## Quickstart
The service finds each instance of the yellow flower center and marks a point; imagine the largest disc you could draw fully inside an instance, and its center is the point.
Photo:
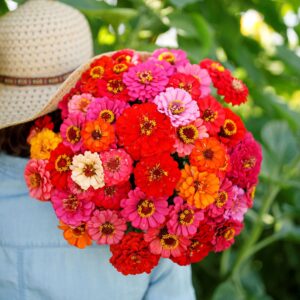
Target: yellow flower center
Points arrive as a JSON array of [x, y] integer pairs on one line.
[[83, 104], [35, 180], [209, 115], [119, 68], [217, 67], [107, 115], [221, 199], [156, 173], [145, 208], [176, 107], [73, 134], [145, 77], [229, 127], [107, 228], [147, 125], [169, 241], [188, 134], [62, 163], [115, 86], [249, 163], [71, 203], [89, 170], [97, 72], [186, 217], [229, 234], [167, 56]]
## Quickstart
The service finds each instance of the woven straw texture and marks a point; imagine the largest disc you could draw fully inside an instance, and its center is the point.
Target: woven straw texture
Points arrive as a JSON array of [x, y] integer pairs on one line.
[[42, 38]]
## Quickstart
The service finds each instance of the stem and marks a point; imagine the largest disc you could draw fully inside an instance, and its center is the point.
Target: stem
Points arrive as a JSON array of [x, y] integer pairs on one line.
[[257, 229], [224, 265]]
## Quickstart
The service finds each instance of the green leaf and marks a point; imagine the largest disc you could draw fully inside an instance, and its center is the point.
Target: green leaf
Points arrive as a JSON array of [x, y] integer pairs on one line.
[[182, 3], [227, 291], [290, 58], [3, 7]]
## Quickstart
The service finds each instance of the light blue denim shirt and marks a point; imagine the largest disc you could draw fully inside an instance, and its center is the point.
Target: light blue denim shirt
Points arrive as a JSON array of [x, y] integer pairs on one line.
[[36, 263]]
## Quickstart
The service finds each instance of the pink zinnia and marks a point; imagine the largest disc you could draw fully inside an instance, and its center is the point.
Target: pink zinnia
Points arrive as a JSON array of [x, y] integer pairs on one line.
[[222, 202], [117, 165], [187, 135], [70, 208], [238, 205], [70, 131], [162, 242], [200, 74], [80, 103], [76, 189], [145, 81], [174, 57], [178, 105], [184, 219], [144, 212], [106, 227], [105, 108], [167, 67], [38, 179], [245, 162], [109, 197]]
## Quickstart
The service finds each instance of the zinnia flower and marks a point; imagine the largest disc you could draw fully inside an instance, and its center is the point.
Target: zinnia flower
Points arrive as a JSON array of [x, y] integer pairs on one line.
[[212, 113], [43, 143], [200, 74], [87, 170], [208, 154], [117, 166], [145, 81], [141, 128], [97, 135], [70, 208], [38, 179], [174, 57], [80, 103], [70, 131], [144, 212], [109, 197], [187, 135], [106, 227], [76, 236], [162, 242], [157, 175], [39, 125], [178, 105], [132, 255], [245, 159], [184, 219], [197, 188], [59, 165], [106, 109], [126, 55]]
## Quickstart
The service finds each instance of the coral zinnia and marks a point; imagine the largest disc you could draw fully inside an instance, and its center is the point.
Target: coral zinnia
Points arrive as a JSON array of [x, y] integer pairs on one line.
[[233, 129], [59, 165], [141, 128], [43, 143], [117, 165], [208, 154], [80, 103], [97, 135], [157, 175], [76, 236], [162, 242], [144, 212], [132, 255], [38, 179], [212, 113], [87, 170], [197, 188], [178, 105], [145, 81], [106, 227]]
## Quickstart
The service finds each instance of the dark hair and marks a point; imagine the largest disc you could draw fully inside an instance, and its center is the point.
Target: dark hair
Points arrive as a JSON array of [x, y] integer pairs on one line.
[[13, 140]]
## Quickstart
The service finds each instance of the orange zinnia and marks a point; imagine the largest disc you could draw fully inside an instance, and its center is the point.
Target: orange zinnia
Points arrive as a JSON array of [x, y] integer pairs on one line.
[[76, 236], [208, 155], [97, 135], [198, 188]]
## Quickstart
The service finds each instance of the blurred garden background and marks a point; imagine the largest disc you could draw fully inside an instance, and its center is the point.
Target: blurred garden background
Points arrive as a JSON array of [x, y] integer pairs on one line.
[[259, 40]]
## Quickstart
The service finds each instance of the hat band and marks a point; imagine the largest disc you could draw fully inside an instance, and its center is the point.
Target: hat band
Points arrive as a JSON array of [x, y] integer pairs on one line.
[[23, 81]]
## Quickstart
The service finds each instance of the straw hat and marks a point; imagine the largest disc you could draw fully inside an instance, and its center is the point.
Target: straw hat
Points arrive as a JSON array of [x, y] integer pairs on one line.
[[41, 44]]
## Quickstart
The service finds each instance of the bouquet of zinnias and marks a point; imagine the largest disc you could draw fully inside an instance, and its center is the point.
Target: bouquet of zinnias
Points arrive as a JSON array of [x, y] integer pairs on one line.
[[147, 160]]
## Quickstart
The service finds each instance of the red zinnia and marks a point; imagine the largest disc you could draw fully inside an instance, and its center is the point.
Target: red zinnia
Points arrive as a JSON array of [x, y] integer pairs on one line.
[[157, 175], [59, 166], [199, 248], [127, 56], [132, 255], [186, 82], [212, 114], [143, 131], [233, 129]]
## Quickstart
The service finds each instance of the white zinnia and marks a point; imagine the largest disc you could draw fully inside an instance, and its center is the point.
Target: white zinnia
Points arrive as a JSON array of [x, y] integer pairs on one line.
[[87, 170]]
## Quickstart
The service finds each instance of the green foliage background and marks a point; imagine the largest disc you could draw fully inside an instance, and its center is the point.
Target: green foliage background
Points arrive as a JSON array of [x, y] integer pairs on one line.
[[264, 262]]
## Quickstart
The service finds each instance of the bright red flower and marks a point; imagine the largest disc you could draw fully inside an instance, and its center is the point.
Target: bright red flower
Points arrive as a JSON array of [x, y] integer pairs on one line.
[[212, 114], [186, 82], [113, 88], [90, 86], [233, 90], [233, 129], [199, 248], [132, 255], [59, 166], [157, 175], [143, 131], [39, 124], [127, 56]]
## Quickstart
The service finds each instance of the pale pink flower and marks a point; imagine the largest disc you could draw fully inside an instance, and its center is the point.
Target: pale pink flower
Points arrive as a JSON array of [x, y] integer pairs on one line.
[[80, 103]]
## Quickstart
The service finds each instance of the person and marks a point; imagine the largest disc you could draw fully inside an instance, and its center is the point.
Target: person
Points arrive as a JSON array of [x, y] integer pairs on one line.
[[41, 43]]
